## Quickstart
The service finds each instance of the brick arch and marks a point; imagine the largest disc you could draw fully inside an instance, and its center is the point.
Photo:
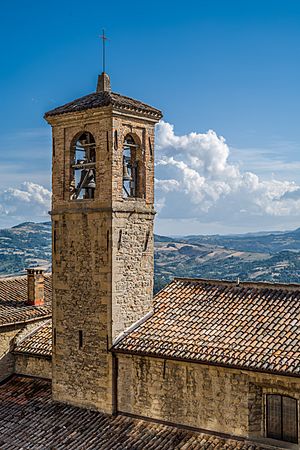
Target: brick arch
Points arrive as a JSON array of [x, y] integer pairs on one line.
[[138, 162], [88, 155]]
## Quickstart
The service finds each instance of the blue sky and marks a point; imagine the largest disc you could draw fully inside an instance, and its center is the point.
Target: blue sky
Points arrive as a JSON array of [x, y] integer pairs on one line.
[[228, 66]]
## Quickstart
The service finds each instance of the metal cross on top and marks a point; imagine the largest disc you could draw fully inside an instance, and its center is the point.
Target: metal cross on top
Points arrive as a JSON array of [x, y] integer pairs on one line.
[[104, 39]]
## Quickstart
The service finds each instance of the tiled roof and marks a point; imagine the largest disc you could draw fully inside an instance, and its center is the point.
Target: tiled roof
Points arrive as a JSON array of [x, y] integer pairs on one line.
[[101, 99], [29, 419], [13, 295], [38, 342], [251, 325]]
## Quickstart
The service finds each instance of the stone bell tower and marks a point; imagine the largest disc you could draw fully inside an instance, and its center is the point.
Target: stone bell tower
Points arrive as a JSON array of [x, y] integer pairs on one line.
[[102, 221]]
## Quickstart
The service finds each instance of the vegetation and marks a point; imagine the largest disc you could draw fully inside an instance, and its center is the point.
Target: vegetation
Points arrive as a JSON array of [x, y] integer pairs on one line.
[[259, 257]]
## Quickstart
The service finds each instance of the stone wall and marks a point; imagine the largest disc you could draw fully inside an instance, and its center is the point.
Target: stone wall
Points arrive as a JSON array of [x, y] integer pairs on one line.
[[207, 397], [7, 361], [8, 336], [33, 366], [102, 255]]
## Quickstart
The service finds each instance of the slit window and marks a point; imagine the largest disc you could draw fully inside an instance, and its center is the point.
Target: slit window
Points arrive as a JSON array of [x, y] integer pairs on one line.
[[107, 240], [146, 241], [116, 140], [107, 141], [150, 148], [282, 420], [80, 339], [83, 167]]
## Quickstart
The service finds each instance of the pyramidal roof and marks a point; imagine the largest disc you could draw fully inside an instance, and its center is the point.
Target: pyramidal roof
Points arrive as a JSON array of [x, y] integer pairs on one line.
[[104, 97]]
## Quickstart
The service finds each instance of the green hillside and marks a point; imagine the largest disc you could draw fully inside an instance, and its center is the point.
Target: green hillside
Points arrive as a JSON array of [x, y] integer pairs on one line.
[[256, 257]]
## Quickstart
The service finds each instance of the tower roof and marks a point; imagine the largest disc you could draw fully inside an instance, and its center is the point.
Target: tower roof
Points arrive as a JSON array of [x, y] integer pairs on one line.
[[104, 97]]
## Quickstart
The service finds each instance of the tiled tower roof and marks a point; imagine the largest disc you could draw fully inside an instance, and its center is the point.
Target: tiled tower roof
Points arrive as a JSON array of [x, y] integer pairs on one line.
[[105, 98]]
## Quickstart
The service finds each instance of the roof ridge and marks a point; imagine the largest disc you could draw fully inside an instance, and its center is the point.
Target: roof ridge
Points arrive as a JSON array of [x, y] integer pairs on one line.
[[21, 277], [104, 99], [133, 327], [29, 333], [254, 284]]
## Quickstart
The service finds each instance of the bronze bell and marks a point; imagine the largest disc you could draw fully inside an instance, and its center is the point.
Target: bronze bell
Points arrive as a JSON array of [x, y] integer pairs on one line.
[[126, 174], [90, 182]]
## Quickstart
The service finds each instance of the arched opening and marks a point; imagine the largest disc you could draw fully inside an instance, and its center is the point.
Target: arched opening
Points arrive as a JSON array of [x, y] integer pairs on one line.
[[132, 168], [83, 173]]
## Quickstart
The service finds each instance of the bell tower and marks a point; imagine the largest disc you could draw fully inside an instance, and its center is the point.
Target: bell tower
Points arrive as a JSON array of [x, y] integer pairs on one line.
[[102, 222]]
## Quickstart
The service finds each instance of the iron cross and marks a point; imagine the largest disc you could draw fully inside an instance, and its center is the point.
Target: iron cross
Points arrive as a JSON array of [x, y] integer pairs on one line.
[[104, 39]]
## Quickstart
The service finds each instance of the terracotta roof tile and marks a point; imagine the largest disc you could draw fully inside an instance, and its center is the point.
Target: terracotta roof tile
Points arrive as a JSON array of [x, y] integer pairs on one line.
[[101, 99], [38, 342], [250, 325], [13, 295], [29, 419]]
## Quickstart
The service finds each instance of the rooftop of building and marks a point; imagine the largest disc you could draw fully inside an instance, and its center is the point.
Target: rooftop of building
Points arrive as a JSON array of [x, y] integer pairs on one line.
[[254, 326], [104, 97], [13, 297], [30, 419], [37, 342]]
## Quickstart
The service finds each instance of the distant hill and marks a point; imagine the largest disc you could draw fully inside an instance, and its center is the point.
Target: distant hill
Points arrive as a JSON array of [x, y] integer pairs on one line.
[[258, 257], [24, 245]]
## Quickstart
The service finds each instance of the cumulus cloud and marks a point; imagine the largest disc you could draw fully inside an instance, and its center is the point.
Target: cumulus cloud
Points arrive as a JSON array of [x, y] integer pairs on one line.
[[196, 182], [29, 202], [195, 179]]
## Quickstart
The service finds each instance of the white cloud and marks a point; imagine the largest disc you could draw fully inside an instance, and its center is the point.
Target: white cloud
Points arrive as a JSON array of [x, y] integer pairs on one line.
[[196, 179], [196, 183], [29, 202]]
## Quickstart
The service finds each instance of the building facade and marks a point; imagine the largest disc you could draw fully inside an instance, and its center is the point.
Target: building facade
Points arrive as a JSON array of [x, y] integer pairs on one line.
[[102, 215], [203, 364]]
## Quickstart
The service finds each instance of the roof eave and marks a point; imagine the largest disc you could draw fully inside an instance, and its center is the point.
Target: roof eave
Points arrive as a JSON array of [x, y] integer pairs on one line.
[[206, 363]]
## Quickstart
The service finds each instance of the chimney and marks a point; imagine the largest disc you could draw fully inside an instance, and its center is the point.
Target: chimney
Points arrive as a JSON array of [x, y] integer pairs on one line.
[[103, 83], [35, 287]]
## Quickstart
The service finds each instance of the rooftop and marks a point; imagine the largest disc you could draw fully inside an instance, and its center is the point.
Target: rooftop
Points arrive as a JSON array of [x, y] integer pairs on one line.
[[13, 296], [29, 419], [38, 342], [255, 326], [105, 98]]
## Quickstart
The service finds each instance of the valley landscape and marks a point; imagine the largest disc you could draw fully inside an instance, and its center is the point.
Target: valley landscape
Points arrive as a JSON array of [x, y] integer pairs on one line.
[[257, 257]]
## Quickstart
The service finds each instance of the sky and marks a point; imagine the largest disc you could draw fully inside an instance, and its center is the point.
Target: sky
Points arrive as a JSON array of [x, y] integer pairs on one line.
[[225, 73]]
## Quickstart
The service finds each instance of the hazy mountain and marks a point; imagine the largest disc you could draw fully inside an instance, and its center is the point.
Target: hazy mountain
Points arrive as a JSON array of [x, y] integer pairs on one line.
[[259, 256], [27, 244]]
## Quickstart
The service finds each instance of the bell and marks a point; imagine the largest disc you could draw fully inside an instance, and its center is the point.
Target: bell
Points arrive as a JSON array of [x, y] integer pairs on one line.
[[82, 141], [90, 182], [126, 175]]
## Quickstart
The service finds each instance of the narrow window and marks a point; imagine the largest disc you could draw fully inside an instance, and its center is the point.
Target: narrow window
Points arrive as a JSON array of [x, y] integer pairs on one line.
[[116, 140], [107, 240], [54, 336], [53, 147], [80, 339], [120, 240], [83, 168], [164, 368], [150, 148], [282, 418], [55, 237], [146, 240], [107, 141]]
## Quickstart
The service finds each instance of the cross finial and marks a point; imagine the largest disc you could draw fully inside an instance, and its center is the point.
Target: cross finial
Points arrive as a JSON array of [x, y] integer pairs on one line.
[[104, 39]]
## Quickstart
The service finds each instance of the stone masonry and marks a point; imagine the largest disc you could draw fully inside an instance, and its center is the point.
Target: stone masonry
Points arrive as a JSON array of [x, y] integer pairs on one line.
[[214, 398], [102, 253]]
